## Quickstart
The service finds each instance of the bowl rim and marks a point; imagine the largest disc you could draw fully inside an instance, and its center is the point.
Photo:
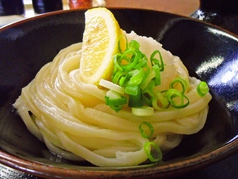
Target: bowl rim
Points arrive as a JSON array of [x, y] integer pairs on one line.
[[170, 169], [65, 11]]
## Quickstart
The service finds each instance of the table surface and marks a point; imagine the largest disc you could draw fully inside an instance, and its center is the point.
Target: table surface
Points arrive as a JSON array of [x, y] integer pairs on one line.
[[181, 7], [224, 169]]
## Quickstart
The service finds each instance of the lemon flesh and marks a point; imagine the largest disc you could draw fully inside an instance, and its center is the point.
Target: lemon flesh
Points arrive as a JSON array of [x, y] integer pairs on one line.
[[100, 41]]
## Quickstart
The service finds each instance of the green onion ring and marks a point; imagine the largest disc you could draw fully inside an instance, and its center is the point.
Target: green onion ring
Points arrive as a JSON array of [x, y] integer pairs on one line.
[[157, 75], [172, 93], [132, 90], [181, 81], [147, 149], [132, 61], [162, 99], [137, 77], [202, 88], [116, 64], [119, 43], [117, 76], [116, 104], [134, 45], [155, 61], [149, 126]]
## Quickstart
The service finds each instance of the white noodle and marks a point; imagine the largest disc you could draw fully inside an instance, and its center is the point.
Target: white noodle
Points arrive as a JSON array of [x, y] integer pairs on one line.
[[72, 119]]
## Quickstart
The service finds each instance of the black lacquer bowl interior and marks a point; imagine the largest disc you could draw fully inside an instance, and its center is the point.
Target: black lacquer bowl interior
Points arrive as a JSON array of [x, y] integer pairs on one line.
[[208, 52]]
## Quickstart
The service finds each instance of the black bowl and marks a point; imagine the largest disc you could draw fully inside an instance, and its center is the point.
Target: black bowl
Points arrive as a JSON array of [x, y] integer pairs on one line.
[[208, 52]]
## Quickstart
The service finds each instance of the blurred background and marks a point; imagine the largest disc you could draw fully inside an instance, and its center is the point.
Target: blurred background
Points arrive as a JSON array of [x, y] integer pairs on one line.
[[181, 7]]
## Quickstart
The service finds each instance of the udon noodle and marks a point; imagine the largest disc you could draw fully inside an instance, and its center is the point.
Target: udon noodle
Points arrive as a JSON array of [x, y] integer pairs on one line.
[[74, 122]]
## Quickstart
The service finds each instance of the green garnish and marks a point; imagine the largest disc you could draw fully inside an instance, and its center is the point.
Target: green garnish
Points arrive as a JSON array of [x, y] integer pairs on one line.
[[120, 41], [116, 104], [153, 157], [132, 90], [179, 81], [136, 77], [202, 88], [159, 101], [136, 81], [135, 97], [156, 69], [146, 125], [115, 100], [143, 111], [155, 61], [177, 99]]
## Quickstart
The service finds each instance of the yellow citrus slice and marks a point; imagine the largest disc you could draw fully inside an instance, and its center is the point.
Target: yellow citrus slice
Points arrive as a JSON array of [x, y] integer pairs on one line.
[[100, 44]]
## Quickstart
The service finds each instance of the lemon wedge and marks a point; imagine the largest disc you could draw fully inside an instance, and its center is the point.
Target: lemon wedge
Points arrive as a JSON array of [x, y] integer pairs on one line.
[[100, 44]]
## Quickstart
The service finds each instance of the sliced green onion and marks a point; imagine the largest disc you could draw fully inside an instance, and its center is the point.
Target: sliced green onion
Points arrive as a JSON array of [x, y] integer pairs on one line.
[[115, 103], [143, 111], [155, 61], [143, 130], [125, 61], [138, 80], [150, 75], [147, 99], [112, 86], [145, 80], [113, 94], [136, 100], [157, 75], [141, 55], [141, 63], [116, 58], [159, 101], [137, 77], [120, 43], [117, 76], [122, 80], [202, 88], [149, 147], [134, 45], [150, 88], [179, 81], [132, 90], [148, 93], [177, 99], [131, 57]]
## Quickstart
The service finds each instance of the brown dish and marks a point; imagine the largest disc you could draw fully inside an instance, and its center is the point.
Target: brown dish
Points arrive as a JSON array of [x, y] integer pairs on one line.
[[208, 52]]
